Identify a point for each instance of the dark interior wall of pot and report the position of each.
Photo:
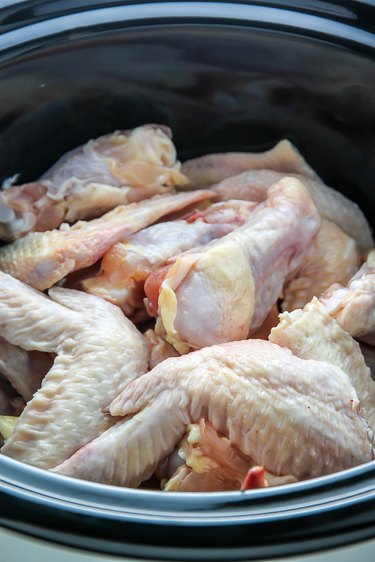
(218, 87)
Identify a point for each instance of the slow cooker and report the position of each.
(224, 76)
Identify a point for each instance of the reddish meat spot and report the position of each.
(153, 284)
(193, 216)
(254, 479)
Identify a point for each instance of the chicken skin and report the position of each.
(333, 257)
(290, 416)
(226, 289)
(353, 306)
(116, 169)
(212, 168)
(312, 333)
(99, 351)
(127, 264)
(41, 259)
(331, 204)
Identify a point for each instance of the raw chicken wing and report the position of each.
(227, 288)
(43, 258)
(99, 351)
(250, 392)
(116, 169)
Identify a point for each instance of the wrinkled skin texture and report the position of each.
(116, 169)
(353, 306)
(332, 258)
(41, 259)
(251, 395)
(312, 333)
(23, 370)
(239, 277)
(98, 352)
(127, 264)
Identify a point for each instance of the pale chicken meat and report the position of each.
(116, 169)
(353, 306)
(312, 333)
(331, 204)
(23, 370)
(267, 412)
(127, 264)
(41, 259)
(225, 290)
(212, 168)
(98, 352)
(210, 463)
(159, 348)
(333, 257)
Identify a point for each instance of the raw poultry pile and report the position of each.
(145, 340)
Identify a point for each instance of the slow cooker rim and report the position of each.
(184, 12)
(46, 488)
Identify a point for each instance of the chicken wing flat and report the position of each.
(43, 258)
(99, 351)
(116, 169)
(269, 403)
